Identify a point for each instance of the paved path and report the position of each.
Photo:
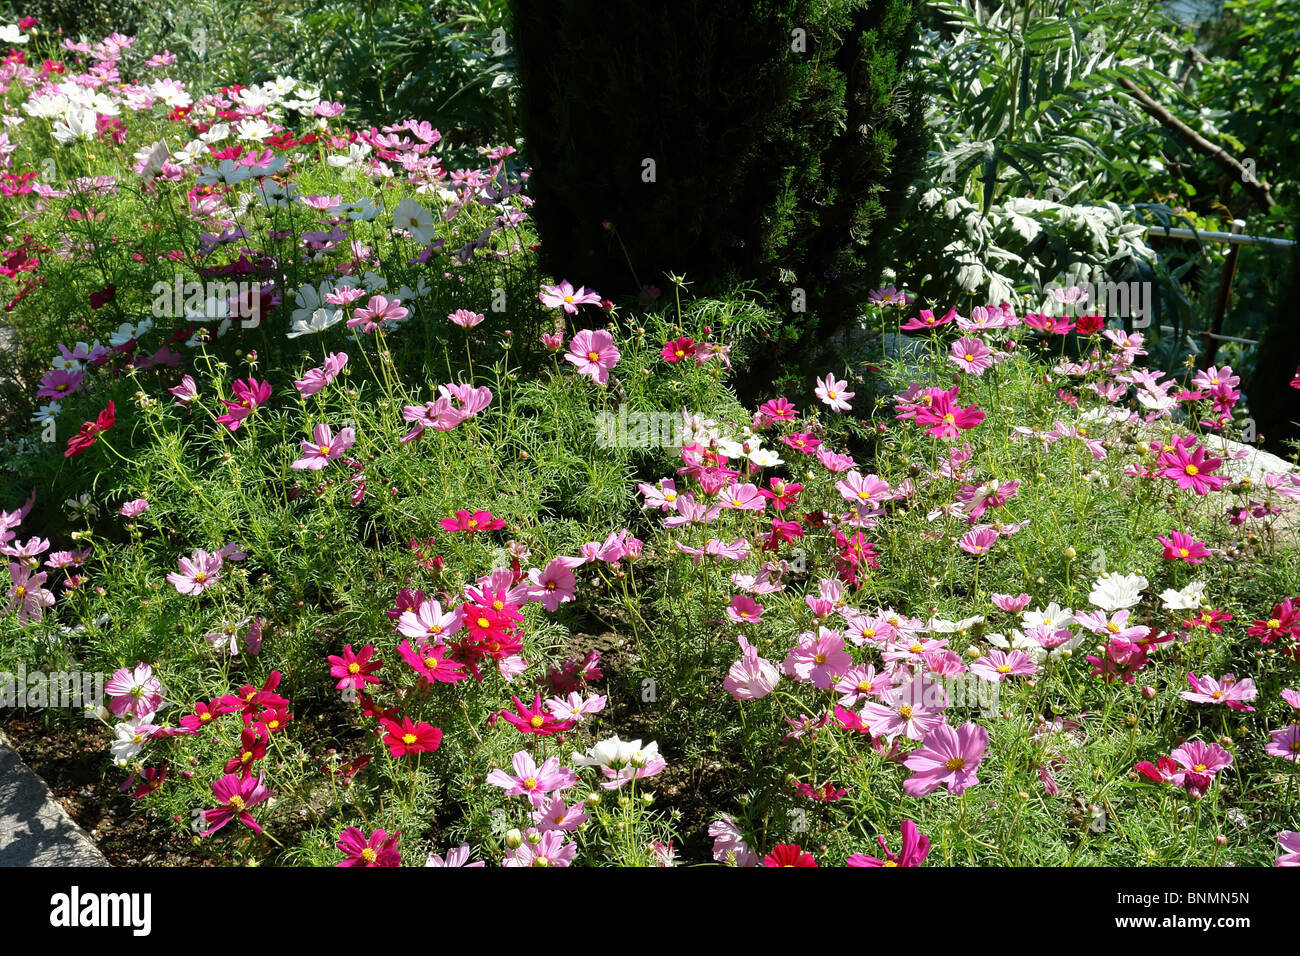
(34, 829)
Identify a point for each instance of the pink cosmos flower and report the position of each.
(744, 610)
(316, 379)
(59, 383)
(456, 857)
(197, 573)
(1183, 547)
(805, 442)
(1284, 743)
(553, 341)
(926, 320)
(902, 710)
(133, 509)
(236, 795)
(947, 756)
(471, 522)
(863, 490)
(832, 393)
(978, 540)
(378, 849)
(28, 596)
(186, 391)
(971, 355)
(324, 448)
(729, 843)
(915, 848)
(818, 658)
(946, 419)
(1229, 691)
(997, 665)
(563, 296)
(777, 410)
(575, 707)
(593, 353)
(677, 349)
(466, 318)
(1012, 604)
(742, 497)
(1200, 762)
(134, 691)
(531, 781)
(861, 683)
(428, 621)
(1290, 839)
(555, 584)
(557, 815)
(354, 671)
(835, 462)
(549, 850)
(379, 311)
(752, 677)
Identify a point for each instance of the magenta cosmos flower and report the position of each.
(1183, 547)
(378, 849)
(354, 670)
(593, 353)
(197, 573)
(563, 296)
(248, 396)
(1191, 470)
(1200, 762)
(236, 795)
(324, 448)
(916, 847)
(947, 756)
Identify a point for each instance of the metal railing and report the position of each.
(1236, 239)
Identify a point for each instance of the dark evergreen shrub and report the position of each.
(760, 140)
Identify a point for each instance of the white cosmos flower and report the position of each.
(617, 754)
(1189, 598)
(1113, 592)
(9, 33)
(765, 458)
(1052, 616)
(415, 219)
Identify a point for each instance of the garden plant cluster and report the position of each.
(356, 508)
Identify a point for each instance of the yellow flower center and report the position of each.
(236, 801)
(431, 663)
(1004, 669)
(1192, 470)
(537, 721)
(200, 576)
(593, 356)
(354, 668)
(1199, 768)
(323, 449)
(408, 739)
(864, 686)
(484, 622)
(530, 783)
(369, 855)
(1184, 552)
(819, 658)
(905, 712)
(955, 763)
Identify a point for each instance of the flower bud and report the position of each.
(514, 839)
